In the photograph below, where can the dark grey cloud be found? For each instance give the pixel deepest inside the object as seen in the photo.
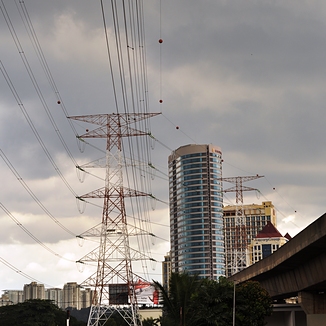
(248, 77)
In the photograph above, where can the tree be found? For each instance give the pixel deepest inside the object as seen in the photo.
(253, 304)
(151, 321)
(213, 303)
(201, 302)
(35, 313)
(178, 306)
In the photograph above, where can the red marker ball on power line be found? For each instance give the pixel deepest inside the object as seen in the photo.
(161, 101)
(177, 127)
(58, 102)
(160, 41)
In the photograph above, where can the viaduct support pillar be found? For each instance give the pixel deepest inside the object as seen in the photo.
(314, 305)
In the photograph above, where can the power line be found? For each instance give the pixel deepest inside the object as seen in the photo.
(131, 87)
(34, 130)
(18, 223)
(31, 74)
(18, 271)
(39, 51)
(30, 192)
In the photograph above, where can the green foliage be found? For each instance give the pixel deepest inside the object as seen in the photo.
(201, 302)
(214, 302)
(253, 303)
(178, 303)
(35, 313)
(151, 322)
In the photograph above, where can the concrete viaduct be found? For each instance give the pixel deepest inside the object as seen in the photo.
(296, 269)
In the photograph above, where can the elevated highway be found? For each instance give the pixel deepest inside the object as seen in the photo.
(296, 269)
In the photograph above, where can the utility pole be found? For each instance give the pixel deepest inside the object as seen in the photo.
(233, 312)
(238, 253)
(113, 257)
(68, 317)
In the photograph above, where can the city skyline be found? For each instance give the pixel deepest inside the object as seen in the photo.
(247, 77)
(70, 295)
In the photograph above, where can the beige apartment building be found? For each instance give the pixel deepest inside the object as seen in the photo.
(255, 216)
(166, 271)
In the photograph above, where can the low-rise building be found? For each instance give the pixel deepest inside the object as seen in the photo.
(267, 241)
(166, 271)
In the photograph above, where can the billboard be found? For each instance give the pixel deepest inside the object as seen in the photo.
(118, 294)
(146, 293)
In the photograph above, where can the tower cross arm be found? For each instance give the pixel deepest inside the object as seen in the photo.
(121, 119)
(113, 132)
(113, 192)
(241, 179)
(235, 189)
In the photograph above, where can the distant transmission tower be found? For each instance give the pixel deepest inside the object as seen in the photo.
(113, 283)
(238, 252)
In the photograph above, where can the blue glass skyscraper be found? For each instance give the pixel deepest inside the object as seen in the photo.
(196, 211)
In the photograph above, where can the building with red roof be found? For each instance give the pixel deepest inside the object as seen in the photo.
(268, 240)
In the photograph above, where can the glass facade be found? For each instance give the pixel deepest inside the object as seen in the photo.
(196, 211)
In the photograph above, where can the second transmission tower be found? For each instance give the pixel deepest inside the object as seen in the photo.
(236, 257)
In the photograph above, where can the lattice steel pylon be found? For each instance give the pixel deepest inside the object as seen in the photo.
(238, 254)
(114, 254)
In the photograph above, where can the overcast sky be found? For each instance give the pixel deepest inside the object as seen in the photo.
(248, 76)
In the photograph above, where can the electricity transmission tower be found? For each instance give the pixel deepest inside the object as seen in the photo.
(113, 283)
(237, 254)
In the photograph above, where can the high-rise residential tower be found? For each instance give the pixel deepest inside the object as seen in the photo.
(71, 295)
(34, 291)
(196, 213)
